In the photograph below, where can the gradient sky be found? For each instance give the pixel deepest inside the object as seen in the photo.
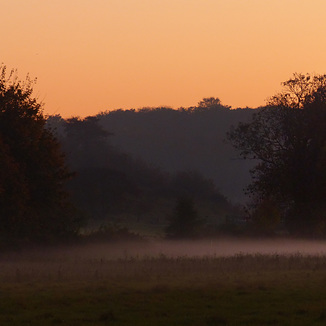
(96, 55)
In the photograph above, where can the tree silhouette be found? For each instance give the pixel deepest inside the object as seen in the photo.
(33, 202)
(288, 139)
(209, 102)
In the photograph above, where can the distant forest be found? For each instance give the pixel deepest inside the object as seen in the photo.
(135, 164)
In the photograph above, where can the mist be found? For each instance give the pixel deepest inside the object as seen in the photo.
(226, 247)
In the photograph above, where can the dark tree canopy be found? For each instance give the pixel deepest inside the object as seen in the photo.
(209, 102)
(288, 138)
(33, 203)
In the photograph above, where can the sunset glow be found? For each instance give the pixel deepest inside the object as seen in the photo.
(96, 55)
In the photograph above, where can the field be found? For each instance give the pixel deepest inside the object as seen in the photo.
(211, 283)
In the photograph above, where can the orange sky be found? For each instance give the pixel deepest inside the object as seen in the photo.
(96, 55)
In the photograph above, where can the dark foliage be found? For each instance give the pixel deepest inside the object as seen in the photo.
(192, 184)
(185, 221)
(288, 139)
(33, 203)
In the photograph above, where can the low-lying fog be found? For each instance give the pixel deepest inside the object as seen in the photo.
(174, 249)
(207, 248)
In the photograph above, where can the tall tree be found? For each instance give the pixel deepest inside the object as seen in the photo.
(33, 202)
(288, 138)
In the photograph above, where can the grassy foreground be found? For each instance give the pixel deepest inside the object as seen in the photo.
(159, 290)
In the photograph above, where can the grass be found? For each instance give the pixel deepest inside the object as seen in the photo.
(74, 289)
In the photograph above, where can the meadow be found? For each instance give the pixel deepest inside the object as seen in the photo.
(226, 282)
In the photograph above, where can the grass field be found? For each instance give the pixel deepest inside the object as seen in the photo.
(130, 285)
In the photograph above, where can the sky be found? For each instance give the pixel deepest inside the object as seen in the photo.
(91, 56)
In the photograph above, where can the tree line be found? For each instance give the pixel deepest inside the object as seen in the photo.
(112, 186)
(57, 173)
(52, 183)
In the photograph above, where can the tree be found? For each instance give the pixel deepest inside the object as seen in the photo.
(33, 202)
(185, 222)
(209, 102)
(212, 104)
(288, 140)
